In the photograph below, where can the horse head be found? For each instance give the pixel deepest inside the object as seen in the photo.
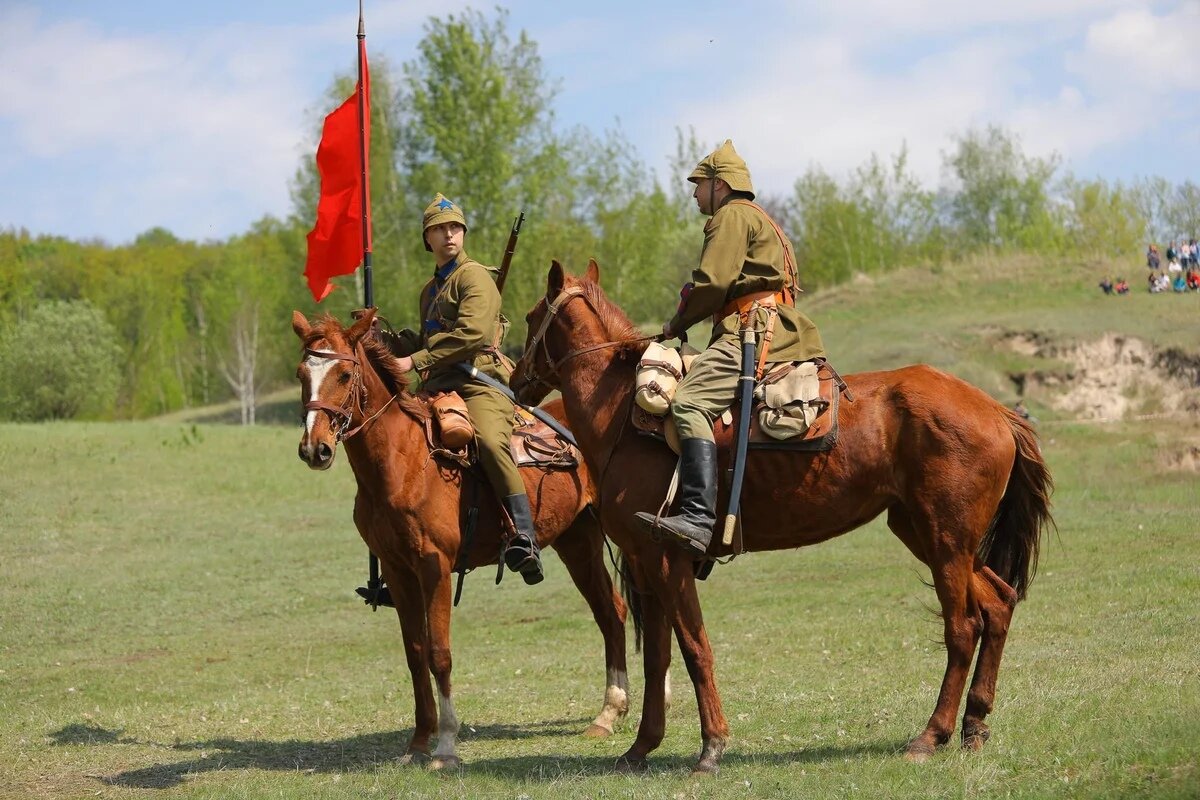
(556, 327)
(331, 382)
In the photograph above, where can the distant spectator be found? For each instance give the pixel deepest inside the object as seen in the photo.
(1106, 284)
(1151, 282)
(1172, 253)
(1193, 279)
(1121, 287)
(1180, 284)
(1161, 282)
(1193, 253)
(1152, 259)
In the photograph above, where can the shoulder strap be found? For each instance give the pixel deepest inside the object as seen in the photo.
(791, 283)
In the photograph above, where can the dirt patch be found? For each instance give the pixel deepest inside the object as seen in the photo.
(1183, 458)
(1113, 377)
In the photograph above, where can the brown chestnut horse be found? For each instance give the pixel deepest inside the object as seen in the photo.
(959, 476)
(408, 508)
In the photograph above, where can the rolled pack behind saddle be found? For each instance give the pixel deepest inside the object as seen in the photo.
(795, 403)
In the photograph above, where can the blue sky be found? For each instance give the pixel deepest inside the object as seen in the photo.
(121, 115)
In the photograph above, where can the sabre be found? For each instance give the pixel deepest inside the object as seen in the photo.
(745, 395)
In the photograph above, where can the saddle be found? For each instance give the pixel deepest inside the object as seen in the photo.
(820, 411)
(533, 443)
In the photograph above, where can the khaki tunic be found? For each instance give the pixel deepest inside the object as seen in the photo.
(742, 255)
(461, 322)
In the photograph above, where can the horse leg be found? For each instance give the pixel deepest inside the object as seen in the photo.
(962, 624)
(997, 600)
(581, 548)
(438, 596)
(656, 659)
(688, 621)
(410, 608)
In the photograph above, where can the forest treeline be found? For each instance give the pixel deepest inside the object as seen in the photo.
(92, 330)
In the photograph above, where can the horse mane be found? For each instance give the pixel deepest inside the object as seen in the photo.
(616, 323)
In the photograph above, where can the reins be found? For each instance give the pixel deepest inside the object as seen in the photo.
(552, 308)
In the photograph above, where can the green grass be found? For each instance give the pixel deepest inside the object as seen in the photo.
(177, 619)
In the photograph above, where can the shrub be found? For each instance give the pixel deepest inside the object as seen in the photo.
(59, 362)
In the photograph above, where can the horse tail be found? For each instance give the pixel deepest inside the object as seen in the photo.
(633, 599)
(1010, 546)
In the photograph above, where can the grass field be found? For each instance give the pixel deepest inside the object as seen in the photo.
(177, 617)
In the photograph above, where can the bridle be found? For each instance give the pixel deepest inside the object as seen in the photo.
(528, 358)
(342, 416)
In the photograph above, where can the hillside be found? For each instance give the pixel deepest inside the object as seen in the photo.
(1023, 327)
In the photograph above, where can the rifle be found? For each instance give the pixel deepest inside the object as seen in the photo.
(509, 249)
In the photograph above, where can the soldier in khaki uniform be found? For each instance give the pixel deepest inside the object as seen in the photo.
(460, 313)
(746, 270)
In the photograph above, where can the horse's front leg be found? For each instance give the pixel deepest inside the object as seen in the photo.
(410, 608)
(435, 569)
(656, 655)
(688, 622)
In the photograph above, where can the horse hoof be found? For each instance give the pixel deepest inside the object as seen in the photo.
(414, 757)
(595, 731)
(705, 768)
(445, 764)
(918, 751)
(976, 737)
(627, 765)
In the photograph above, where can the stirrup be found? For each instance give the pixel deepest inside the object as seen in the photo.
(659, 531)
(525, 560)
(376, 595)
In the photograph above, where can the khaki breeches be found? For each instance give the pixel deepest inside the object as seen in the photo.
(492, 415)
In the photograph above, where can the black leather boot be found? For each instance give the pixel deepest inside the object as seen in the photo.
(692, 527)
(522, 554)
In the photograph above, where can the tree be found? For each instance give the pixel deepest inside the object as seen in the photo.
(999, 197)
(59, 362)
(1102, 220)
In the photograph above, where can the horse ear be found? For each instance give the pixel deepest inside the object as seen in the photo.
(300, 325)
(593, 271)
(361, 326)
(555, 280)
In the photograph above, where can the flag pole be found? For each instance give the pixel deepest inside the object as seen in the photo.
(363, 123)
(374, 592)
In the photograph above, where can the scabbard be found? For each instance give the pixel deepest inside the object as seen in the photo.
(745, 396)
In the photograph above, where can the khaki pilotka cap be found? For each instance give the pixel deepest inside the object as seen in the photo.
(726, 164)
(439, 211)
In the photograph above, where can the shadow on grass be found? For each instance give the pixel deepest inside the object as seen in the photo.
(371, 751)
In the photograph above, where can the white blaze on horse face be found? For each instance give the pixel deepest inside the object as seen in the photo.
(447, 727)
(318, 370)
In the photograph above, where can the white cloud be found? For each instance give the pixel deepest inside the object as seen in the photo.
(1140, 52)
(204, 119)
(823, 97)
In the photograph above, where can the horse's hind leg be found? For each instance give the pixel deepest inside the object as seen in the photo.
(581, 548)
(962, 624)
(996, 600)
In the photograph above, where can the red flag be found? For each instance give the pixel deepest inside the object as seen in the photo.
(336, 243)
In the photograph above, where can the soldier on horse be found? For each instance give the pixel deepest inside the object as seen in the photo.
(461, 322)
(746, 277)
